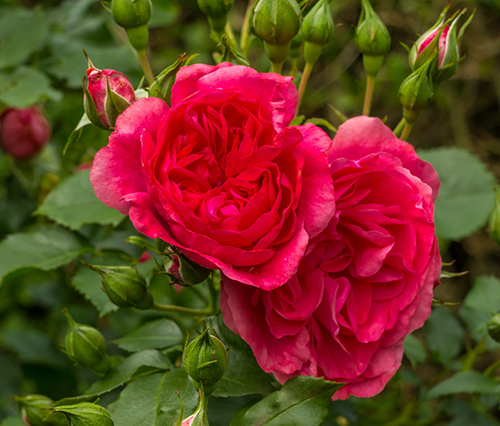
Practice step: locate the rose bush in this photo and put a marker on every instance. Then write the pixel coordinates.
(221, 174)
(365, 282)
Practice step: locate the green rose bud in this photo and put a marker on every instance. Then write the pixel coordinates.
(184, 271)
(205, 360)
(494, 226)
(317, 30)
(216, 11)
(493, 327)
(31, 405)
(85, 414)
(124, 286)
(276, 22)
(372, 39)
(416, 93)
(86, 346)
(133, 15)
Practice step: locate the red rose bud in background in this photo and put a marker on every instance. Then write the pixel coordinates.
(442, 37)
(23, 132)
(107, 95)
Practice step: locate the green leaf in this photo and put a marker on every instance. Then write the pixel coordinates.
(444, 334)
(15, 26)
(136, 365)
(26, 86)
(465, 382)
(243, 376)
(152, 401)
(465, 415)
(466, 197)
(45, 248)
(156, 334)
(322, 122)
(303, 400)
(414, 350)
(73, 203)
(12, 421)
(77, 132)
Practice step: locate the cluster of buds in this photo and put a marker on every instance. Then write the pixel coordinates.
(124, 286)
(23, 132)
(86, 346)
(433, 59)
(133, 16)
(107, 95)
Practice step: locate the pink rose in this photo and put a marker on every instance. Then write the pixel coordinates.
(365, 282)
(220, 174)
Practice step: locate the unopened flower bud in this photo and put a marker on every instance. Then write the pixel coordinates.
(107, 95)
(86, 346)
(416, 93)
(124, 286)
(441, 38)
(85, 414)
(216, 11)
(133, 15)
(205, 360)
(372, 39)
(31, 405)
(184, 271)
(494, 226)
(317, 30)
(23, 132)
(493, 327)
(276, 22)
(199, 417)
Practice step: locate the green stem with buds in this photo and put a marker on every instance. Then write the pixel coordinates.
(303, 82)
(244, 44)
(399, 128)
(406, 131)
(146, 67)
(370, 83)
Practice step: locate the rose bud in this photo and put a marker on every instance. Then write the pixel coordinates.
(442, 37)
(317, 30)
(23, 132)
(133, 15)
(199, 417)
(85, 414)
(276, 22)
(107, 95)
(493, 327)
(85, 346)
(184, 271)
(372, 39)
(416, 93)
(124, 286)
(30, 406)
(494, 225)
(216, 11)
(205, 360)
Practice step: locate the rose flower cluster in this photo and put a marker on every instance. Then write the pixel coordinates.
(326, 248)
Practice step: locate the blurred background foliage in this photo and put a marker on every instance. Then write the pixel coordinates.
(41, 61)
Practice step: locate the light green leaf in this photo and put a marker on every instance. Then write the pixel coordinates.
(156, 334)
(414, 350)
(21, 33)
(444, 334)
(133, 367)
(73, 203)
(303, 400)
(466, 197)
(45, 248)
(26, 86)
(152, 401)
(243, 376)
(465, 382)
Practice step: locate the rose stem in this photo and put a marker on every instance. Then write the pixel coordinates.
(181, 309)
(214, 296)
(245, 46)
(399, 128)
(229, 31)
(275, 67)
(303, 82)
(295, 65)
(406, 131)
(370, 82)
(145, 65)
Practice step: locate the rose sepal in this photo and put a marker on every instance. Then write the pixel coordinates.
(90, 109)
(114, 105)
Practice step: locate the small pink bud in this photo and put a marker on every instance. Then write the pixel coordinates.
(23, 132)
(121, 90)
(188, 421)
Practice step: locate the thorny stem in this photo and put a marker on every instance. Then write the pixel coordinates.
(303, 82)
(244, 44)
(370, 83)
(146, 67)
